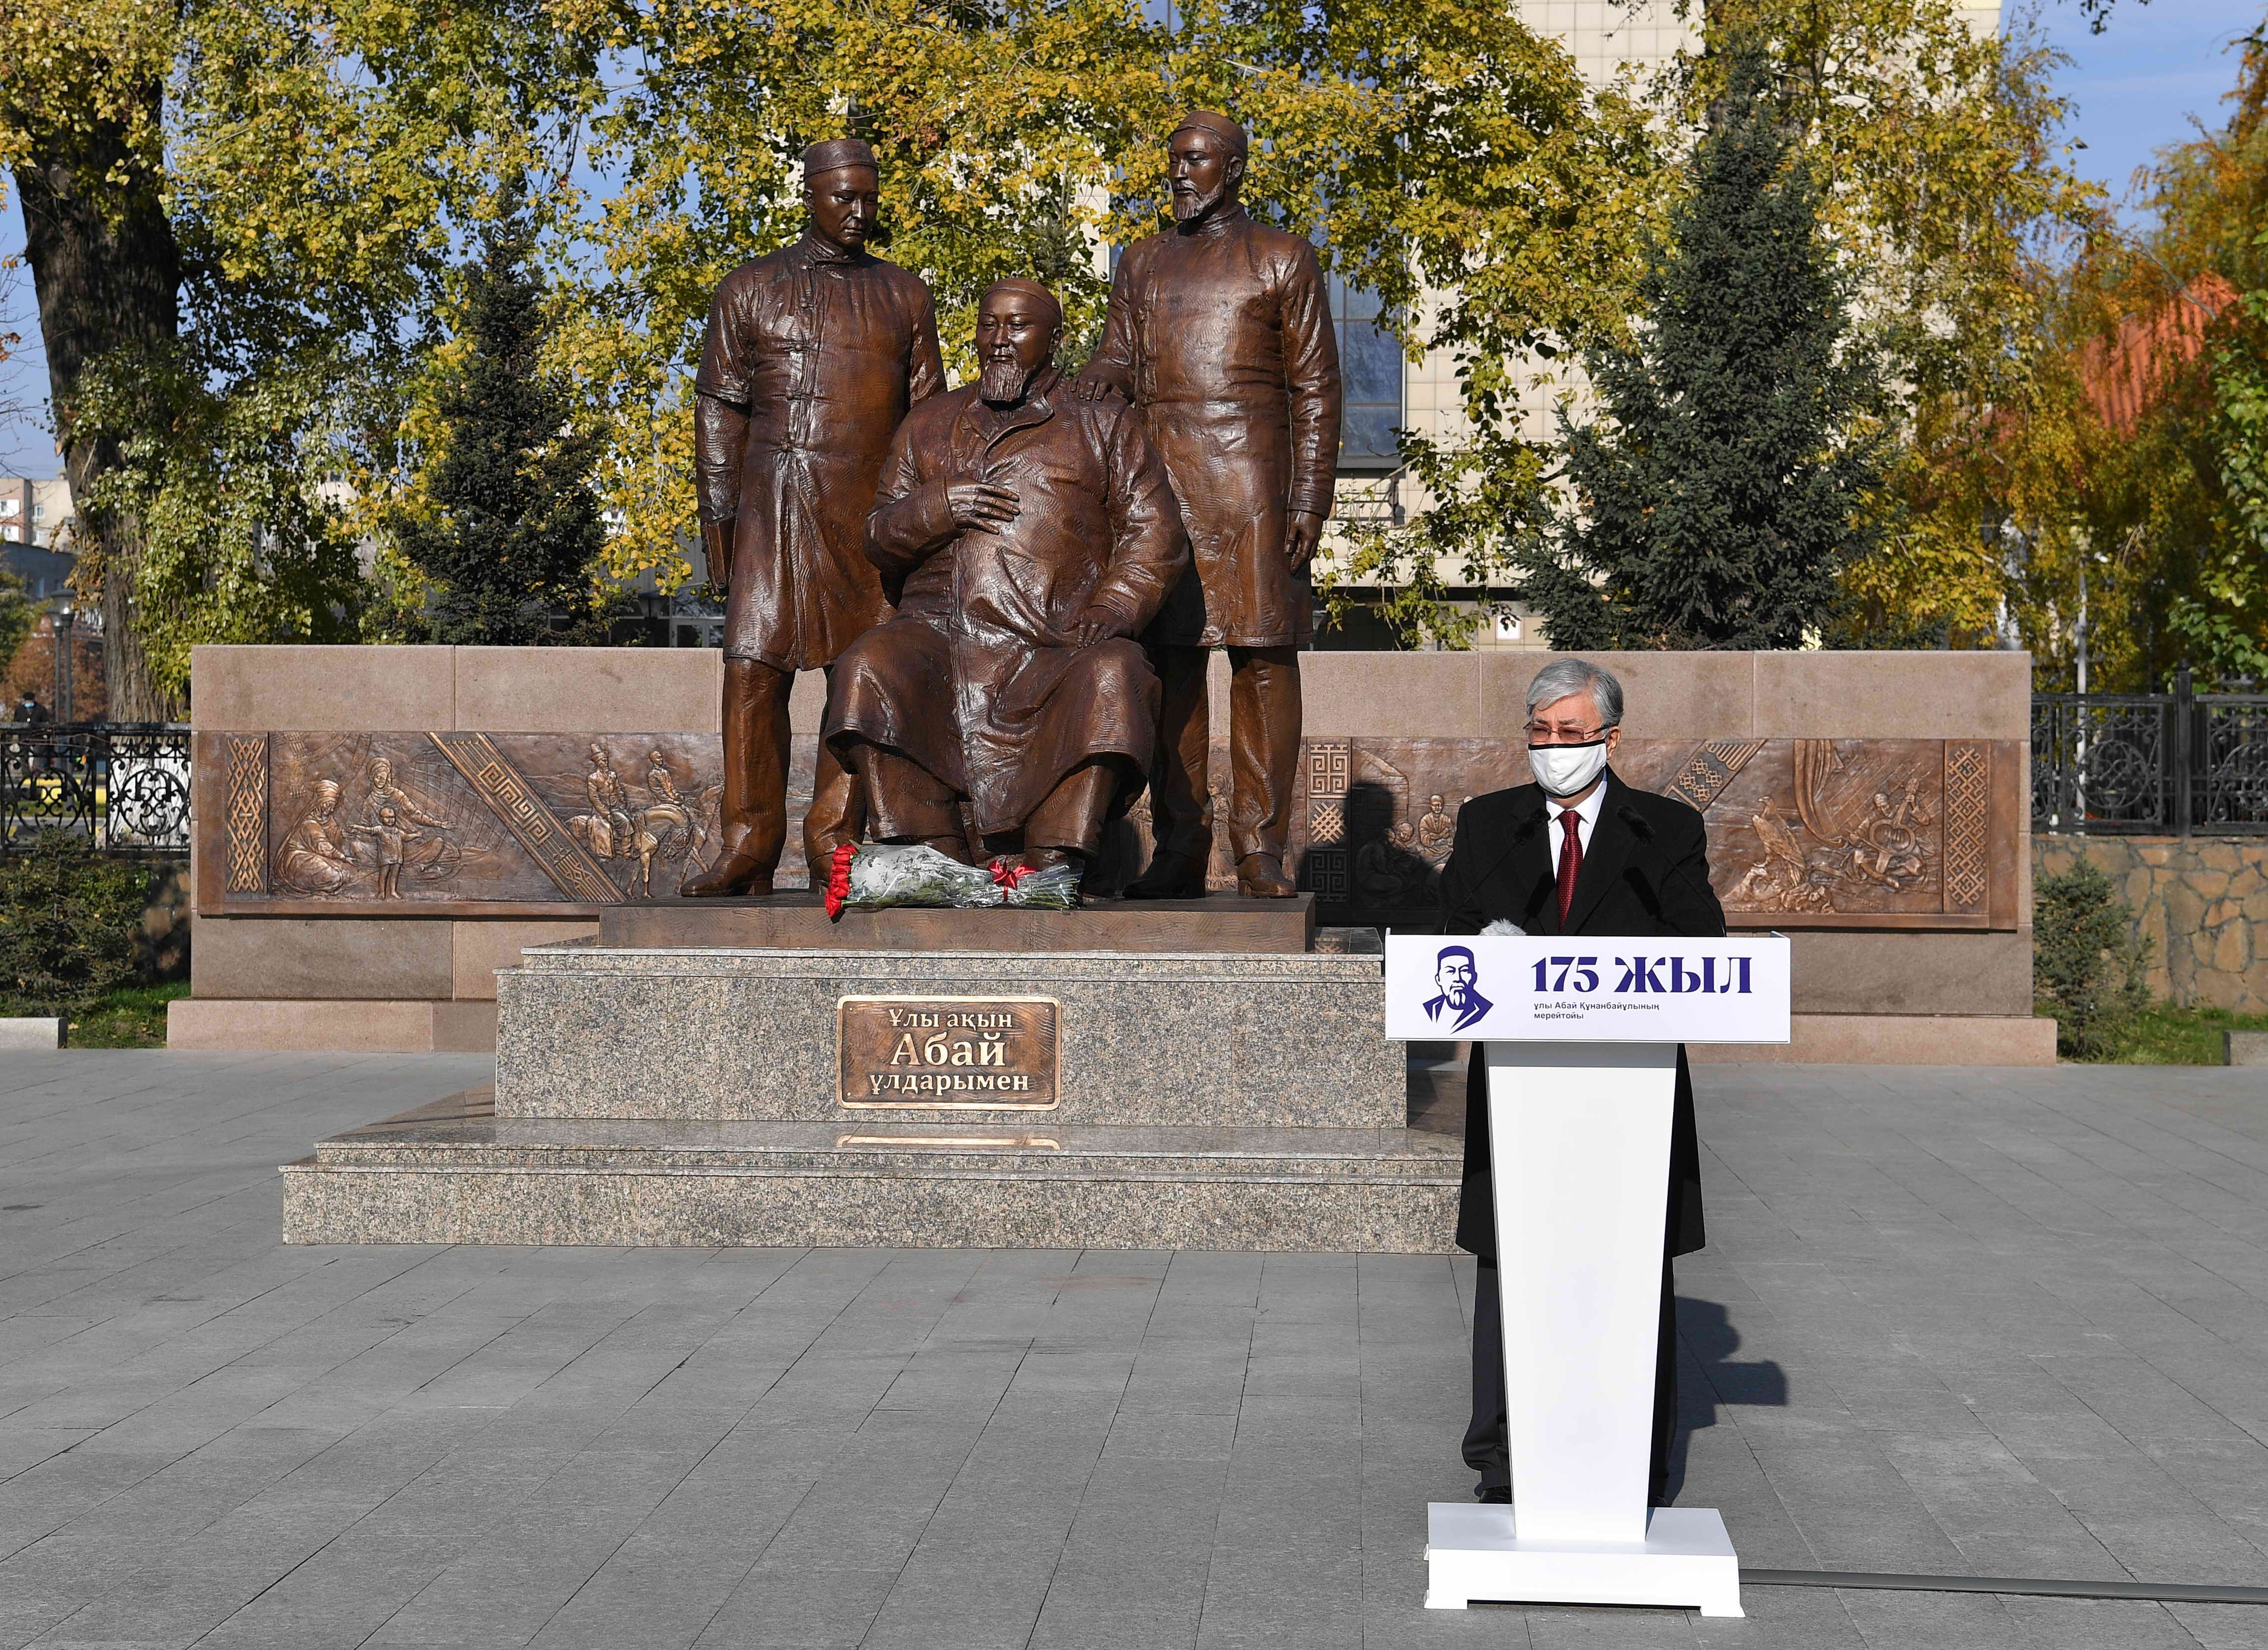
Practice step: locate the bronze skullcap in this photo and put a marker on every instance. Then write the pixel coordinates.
(837, 152)
(1219, 125)
(1025, 284)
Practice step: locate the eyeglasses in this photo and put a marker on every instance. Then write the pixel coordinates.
(1560, 734)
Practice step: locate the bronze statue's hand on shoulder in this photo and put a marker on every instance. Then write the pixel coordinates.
(982, 507)
(1092, 387)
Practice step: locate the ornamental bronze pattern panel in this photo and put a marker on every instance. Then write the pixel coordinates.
(1819, 833)
(1328, 777)
(565, 856)
(1968, 849)
(246, 814)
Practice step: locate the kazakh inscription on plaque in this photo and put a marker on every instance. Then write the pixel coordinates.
(970, 1053)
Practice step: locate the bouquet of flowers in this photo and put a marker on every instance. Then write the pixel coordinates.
(1053, 889)
(868, 877)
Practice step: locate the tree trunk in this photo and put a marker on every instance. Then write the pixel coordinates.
(107, 272)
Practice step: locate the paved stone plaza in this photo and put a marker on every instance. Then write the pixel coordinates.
(1952, 1322)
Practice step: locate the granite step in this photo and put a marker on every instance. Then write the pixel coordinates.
(455, 1173)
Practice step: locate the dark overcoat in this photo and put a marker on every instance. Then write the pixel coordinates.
(1221, 333)
(1644, 875)
(813, 355)
(978, 678)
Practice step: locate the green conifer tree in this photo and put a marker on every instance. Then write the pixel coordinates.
(1716, 499)
(508, 528)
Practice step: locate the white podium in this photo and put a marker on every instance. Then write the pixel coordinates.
(1582, 1036)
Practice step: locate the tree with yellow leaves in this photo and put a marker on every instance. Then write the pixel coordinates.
(233, 213)
(243, 219)
(1954, 206)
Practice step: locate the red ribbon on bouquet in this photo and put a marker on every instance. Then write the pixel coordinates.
(838, 879)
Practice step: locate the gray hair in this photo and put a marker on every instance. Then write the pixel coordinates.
(1565, 677)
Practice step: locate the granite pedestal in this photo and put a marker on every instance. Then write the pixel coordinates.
(693, 1094)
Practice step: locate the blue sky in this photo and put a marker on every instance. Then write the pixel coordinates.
(2138, 85)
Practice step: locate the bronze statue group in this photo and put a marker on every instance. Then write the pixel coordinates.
(1013, 586)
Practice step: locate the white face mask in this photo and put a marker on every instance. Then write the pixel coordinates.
(1563, 769)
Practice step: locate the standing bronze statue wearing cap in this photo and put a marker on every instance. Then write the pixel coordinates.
(814, 355)
(1219, 330)
(1026, 536)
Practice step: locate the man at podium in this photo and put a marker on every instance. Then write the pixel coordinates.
(1576, 852)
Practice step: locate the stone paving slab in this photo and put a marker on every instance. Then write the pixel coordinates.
(1973, 1321)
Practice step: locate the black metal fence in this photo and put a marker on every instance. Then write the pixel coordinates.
(122, 785)
(2151, 763)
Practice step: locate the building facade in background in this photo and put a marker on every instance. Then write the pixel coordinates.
(34, 516)
(1608, 40)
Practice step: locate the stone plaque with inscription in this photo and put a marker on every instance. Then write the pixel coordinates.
(972, 1053)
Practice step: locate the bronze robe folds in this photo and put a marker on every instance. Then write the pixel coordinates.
(1223, 337)
(976, 679)
(813, 356)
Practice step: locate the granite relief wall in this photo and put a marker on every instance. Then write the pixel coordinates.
(385, 827)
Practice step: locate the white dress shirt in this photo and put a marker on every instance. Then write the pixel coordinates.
(1587, 819)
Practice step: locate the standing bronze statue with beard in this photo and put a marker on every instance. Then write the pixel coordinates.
(1026, 537)
(1219, 331)
(814, 355)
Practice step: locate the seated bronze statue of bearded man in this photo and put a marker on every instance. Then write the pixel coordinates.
(1026, 537)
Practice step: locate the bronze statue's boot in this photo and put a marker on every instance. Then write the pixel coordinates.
(1171, 876)
(1180, 800)
(753, 822)
(1261, 877)
(837, 814)
(1264, 749)
(733, 874)
(1066, 827)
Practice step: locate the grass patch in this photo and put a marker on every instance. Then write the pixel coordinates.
(2168, 1034)
(131, 1017)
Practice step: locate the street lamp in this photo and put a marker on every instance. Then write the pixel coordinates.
(65, 618)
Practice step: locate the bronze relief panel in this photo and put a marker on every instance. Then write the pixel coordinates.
(1819, 833)
(443, 823)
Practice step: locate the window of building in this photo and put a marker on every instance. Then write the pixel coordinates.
(1370, 373)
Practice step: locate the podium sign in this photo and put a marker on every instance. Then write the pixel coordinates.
(1586, 989)
(1582, 1037)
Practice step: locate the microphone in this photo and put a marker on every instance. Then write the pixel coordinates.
(1643, 830)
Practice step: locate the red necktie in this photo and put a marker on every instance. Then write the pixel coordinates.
(1571, 861)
